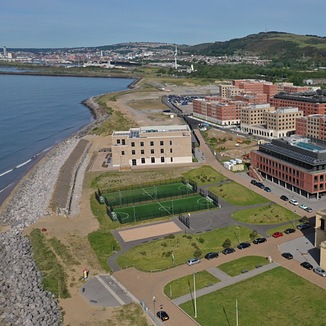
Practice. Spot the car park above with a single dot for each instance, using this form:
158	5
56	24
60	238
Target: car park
259	240
289	231
267	189
306	265
308	209
193	261
293	202
243	245
283	197
287	255
320	271
277	234
162	315
228	251
303	206
211	255
303	226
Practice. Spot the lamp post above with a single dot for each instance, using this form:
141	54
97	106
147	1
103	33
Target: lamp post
195	299
154	301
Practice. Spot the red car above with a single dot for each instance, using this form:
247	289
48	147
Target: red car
277	234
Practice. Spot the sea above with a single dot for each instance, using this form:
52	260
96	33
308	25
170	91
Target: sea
37	113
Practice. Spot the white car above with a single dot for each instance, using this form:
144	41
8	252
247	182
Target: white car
303	206
320	271
293	202
193	261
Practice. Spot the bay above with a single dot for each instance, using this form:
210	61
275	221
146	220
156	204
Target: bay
38	112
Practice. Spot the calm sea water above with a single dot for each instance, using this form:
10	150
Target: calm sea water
38	112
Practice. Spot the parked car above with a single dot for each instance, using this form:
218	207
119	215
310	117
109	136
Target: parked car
294	202
277	234
309	209
303	206
260	185
306	265
243	245
289	231
283	197
228	251
253	182
287	255
211	255
320	271
267	189
303	226
259	240
193	261
162	315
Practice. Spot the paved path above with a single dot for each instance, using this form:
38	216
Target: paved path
226	282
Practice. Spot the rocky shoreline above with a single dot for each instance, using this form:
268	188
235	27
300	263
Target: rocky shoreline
22	299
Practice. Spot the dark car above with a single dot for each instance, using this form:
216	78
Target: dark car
162	315
211	255
260	185
283	197
259	240
253	182
287	255
306	265
289	231
227	251
243	245
303	226
267	189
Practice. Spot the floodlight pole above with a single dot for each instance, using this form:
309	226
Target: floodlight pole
172	207
236	312
154	301
134	214
195	299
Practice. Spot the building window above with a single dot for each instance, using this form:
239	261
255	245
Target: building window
118	141
122	152
151	143
170	150
171	159
134	162
162	150
133	152
162	159
132	144
142	151
161	142
322	224
170	142
123	142
141	143
152	151
152	159
143	160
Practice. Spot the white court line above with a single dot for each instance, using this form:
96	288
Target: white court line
147	193
110	290
157	202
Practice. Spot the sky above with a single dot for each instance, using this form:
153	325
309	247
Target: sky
72	23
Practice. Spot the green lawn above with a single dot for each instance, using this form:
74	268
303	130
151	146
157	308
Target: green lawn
204	175
282	228
235	267
156	255
267	214
185	285
276	297
236	194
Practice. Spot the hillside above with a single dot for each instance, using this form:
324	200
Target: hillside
269	45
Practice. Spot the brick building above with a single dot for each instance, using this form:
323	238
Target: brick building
296	163
312	126
154	145
320	236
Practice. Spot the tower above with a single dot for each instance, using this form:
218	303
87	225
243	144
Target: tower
4	51
175	58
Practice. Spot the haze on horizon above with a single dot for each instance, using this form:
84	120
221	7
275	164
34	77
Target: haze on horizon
60	23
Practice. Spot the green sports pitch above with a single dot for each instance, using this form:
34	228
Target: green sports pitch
162	208
141	194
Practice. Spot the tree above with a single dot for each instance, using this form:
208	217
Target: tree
226	244
253	235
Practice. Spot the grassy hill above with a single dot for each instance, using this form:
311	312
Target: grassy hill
269	45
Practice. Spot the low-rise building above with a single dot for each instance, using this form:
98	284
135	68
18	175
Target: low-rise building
312	126
320	236
153	145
